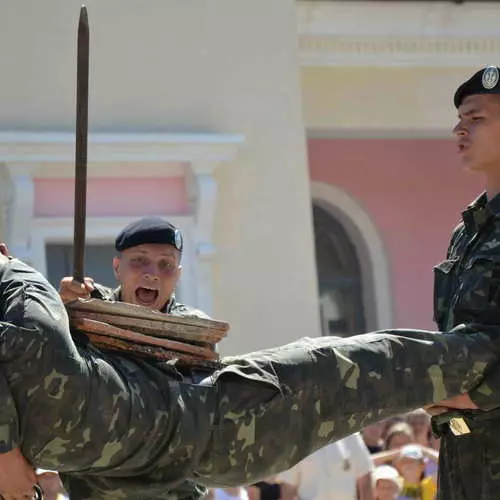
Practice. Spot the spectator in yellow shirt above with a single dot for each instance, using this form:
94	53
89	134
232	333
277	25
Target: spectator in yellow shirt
411	467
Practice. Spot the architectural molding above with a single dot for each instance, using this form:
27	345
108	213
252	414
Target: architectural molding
203	188
158	154
397	34
377	296
6	196
20	209
394	51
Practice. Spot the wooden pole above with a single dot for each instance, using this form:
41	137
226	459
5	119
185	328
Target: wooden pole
82	91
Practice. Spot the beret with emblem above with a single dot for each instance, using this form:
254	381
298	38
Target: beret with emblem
148	230
484	81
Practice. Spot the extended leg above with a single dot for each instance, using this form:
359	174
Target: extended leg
82	412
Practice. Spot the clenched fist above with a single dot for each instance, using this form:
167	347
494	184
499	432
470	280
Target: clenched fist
70	289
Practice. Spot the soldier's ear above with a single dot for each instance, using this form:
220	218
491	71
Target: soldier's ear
4	249
116	267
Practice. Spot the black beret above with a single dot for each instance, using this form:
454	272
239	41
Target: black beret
484	81
148	230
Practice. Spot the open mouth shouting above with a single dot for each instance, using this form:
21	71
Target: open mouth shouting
146	296
463	146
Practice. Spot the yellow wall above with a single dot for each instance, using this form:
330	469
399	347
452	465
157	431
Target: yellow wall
363	98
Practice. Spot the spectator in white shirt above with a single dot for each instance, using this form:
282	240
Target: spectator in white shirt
339	471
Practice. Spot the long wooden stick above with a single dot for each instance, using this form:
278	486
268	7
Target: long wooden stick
82	91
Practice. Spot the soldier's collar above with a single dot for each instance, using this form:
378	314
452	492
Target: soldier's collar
480	210
494	205
117	294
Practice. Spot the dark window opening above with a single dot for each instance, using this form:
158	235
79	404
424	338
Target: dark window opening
339	277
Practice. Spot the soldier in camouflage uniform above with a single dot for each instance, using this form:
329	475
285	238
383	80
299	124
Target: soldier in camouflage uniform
467	290
148	268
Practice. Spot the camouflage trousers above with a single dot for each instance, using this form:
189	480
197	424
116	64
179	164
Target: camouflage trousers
120	428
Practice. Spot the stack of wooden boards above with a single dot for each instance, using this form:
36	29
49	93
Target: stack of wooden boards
143	332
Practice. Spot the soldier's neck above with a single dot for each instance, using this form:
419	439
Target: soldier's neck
492	185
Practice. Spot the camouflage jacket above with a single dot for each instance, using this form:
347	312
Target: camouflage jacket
467	291
467	283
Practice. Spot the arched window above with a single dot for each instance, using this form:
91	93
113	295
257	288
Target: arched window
339	277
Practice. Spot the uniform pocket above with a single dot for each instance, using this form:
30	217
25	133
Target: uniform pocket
479	294
443	275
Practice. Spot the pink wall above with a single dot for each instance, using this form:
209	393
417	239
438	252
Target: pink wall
113	197
414	193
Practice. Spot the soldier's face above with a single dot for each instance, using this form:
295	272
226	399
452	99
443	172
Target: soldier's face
148	274
478	133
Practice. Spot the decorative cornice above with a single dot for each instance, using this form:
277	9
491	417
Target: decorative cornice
332	50
121	152
397	34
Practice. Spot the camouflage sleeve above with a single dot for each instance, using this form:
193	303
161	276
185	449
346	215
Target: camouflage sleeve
323	389
9	423
487	394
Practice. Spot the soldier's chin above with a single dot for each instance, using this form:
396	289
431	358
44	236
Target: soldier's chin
475	167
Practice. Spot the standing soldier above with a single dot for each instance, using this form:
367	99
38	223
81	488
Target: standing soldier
467	290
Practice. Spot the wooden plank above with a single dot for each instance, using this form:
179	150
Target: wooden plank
135	311
115	344
96	327
154	328
149	352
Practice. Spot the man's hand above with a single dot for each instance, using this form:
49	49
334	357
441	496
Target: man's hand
17	477
50	484
461	402
70	289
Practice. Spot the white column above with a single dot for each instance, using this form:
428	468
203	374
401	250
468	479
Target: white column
5	201
21	210
203	191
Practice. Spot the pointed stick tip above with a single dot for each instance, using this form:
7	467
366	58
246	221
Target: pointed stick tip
83	23
83	14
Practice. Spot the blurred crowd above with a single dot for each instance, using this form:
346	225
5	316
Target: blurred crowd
396	459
